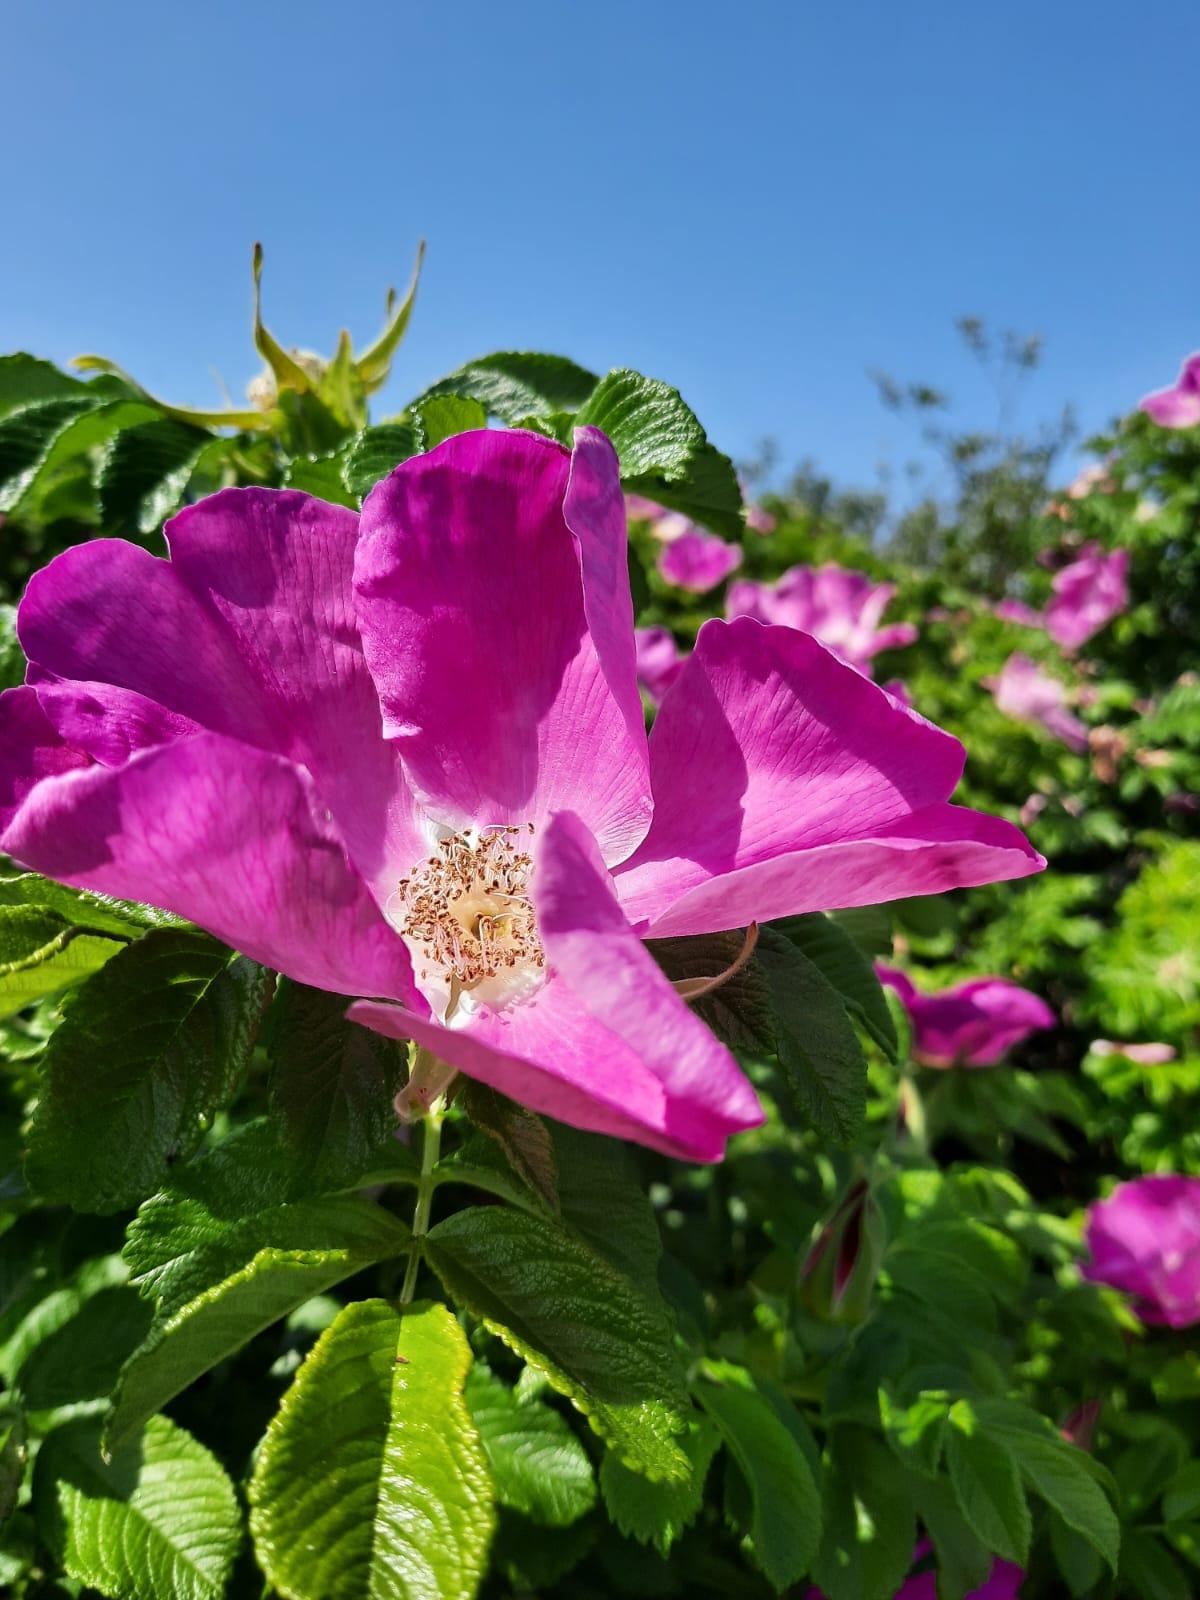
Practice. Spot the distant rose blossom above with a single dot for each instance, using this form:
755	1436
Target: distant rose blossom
659	662
840	607
1088	594
898	690
1154	1054
759	521
697	561
1178	406
1032	809
1145	1240
1024	691
974	1024
639	509
1017	611
402	755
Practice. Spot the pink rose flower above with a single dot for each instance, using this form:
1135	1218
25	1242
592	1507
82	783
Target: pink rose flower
403	756
1145	1240
1153	1054
1178	406
759	521
840	607
1024	691
697	561
972	1025
659	662
1088	594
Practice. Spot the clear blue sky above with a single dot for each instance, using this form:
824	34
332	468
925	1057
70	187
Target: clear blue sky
755	201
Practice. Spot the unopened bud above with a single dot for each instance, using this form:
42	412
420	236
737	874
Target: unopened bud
839	1273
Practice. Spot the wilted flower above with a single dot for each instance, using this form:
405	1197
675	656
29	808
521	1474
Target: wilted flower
840	607
1145	1240
697	561
403	756
1088	594
1178	406
839	1273
1024	691
971	1025
659	662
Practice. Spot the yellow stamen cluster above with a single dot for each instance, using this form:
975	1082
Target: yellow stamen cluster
467	910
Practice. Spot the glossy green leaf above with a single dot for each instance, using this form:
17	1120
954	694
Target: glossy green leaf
987	1485
372	1480
42	953
836	955
785	1525
521	1134
538	1465
657	1513
158	1519
148	1049
322	476
145	472
81	1358
576	1320
375	451
28	380
515	384
441	416
26	435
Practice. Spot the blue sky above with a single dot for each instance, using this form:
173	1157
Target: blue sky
758	202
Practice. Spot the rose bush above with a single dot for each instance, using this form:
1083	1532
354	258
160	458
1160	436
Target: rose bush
454	1138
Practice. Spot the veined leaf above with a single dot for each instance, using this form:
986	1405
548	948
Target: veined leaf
28	380
145	472
515	384
372	1481
148	1049
538	1465
322	476
160	1518
987	1485
657	1513
374	452
26	435
441	416
41	953
576	1320
835	954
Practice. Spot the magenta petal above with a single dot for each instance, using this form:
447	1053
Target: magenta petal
30	749
973	1024
698	561
1178	406
784	781
1145	1240
606	1043
110	724
495	634
233	839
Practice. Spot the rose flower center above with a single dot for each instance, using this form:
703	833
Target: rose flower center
466	916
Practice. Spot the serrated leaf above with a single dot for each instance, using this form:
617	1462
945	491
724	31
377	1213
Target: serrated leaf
915	1432
160	1518
739	1011
576	1320
28	380
832	950
62	484
819	1053
372	1481
80	1360
868	1524
987	1485
348	1235
374	452
520	1133
334	1084
145	472
26	435
148	1049
323	476
1181	1499
869	926
97	913
785	1526
538	1465
515	384
709	492
647	422
601	1196
41	954
441	416
657	1513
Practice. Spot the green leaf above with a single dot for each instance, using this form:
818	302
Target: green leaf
145	472
26	436
963	1563
41	953
62	484
868	1525
12	657
836	955
657	1513
538	1465
28	380
1150	1571
334	1084
375	362
651	428
869	926
1181	1500
819	1053
372	1481
323	476
522	1135
374	452
97	913
915	1432
515	384
148	1049
739	1010
987	1485
601	1196
13	1455
160	1518
441	416
785	1528
709	493
576	1320
81	1358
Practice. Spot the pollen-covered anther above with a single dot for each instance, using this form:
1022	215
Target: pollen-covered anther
467	915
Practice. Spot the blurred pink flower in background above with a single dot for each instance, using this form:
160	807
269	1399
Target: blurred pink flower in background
971	1025
1178	406
1146	1055
758	520
1024	691
697	561
1087	595
659	662
639	509
1145	1240
839	607
1018	611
